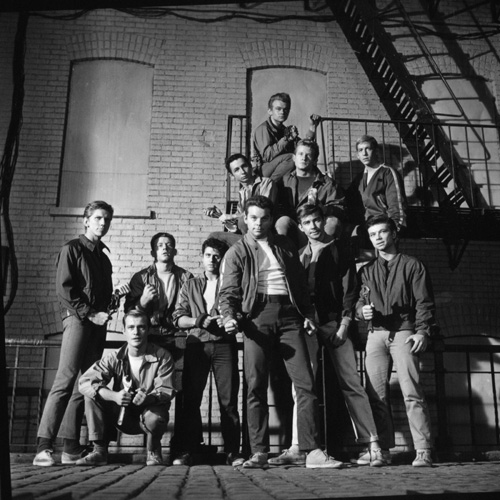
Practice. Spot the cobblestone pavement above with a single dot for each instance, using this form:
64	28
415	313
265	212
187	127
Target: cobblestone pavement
476	480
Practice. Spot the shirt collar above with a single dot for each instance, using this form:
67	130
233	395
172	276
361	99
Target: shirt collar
91	245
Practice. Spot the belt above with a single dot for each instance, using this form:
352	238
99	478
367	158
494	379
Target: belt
273	299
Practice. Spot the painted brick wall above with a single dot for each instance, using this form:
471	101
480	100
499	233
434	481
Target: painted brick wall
200	78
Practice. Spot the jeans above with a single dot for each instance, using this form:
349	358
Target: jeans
356	400
102	417
278	326
222	357
82	345
381	347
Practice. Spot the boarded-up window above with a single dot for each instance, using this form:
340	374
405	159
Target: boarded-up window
106	147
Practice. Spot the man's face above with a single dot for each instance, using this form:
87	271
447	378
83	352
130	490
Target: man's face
382	237
279	112
313	226
211	260
165	250
259	222
304	159
97	225
242	171
367	155
136	331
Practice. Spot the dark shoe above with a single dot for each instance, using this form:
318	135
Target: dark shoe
44	459
94	458
235	459
183	459
289	457
256	461
154	458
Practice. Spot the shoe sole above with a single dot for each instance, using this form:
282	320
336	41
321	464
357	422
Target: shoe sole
45	464
301	462
325	466
256	466
358	462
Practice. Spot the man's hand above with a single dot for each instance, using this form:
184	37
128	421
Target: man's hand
310	326
228	218
148	295
98	318
291	133
213	212
206	322
218	318
419	342
367	312
139	398
340	336
122	398
231	326
314	121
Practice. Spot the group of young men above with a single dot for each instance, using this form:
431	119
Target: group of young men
284	275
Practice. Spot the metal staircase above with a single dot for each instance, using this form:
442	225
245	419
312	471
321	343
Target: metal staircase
447	179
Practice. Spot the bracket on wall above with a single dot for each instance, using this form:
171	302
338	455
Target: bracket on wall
455	249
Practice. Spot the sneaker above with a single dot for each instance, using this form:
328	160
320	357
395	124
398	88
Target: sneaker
256	461
154	458
44	459
235	459
95	457
289	457
365	458
377	458
72	458
423	458
319	459
183	459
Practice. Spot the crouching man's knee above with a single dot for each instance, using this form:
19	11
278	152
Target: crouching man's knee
154	420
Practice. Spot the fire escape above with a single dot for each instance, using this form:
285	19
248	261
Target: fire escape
461	214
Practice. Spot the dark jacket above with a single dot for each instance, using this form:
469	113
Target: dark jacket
149	276
384	195
328	195
335	290
83	278
192	304
239	277
401	293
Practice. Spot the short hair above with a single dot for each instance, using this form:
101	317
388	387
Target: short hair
235	157
381	219
157	236
136	313
280	96
309	209
312	145
216	244
369	139
259	201
97	205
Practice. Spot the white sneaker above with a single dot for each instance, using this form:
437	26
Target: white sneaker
423	458
44	459
256	461
289	457
319	459
365	458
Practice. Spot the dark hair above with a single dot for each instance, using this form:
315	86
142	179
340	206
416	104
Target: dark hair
157	236
367	138
309	209
313	145
235	157
259	201
136	313
381	219
216	244
97	205
280	96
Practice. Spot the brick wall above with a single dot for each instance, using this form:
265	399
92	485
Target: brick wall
200	78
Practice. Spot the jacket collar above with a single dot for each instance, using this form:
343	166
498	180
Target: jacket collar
150	355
